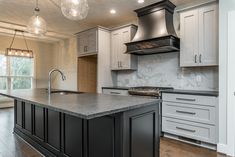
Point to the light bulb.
(74, 9)
(37, 25)
(140, 1)
(112, 11)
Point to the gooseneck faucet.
(49, 78)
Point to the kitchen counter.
(75, 125)
(193, 92)
(84, 105)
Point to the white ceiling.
(19, 11)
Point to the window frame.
(9, 77)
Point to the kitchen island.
(87, 125)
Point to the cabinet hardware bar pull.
(195, 58)
(115, 93)
(185, 129)
(200, 58)
(184, 112)
(183, 99)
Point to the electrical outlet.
(199, 78)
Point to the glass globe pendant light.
(74, 9)
(37, 25)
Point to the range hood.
(156, 33)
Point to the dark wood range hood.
(156, 33)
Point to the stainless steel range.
(152, 92)
(148, 91)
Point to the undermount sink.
(65, 92)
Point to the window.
(16, 72)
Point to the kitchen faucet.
(49, 78)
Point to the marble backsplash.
(163, 70)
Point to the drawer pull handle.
(184, 112)
(115, 93)
(183, 99)
(179, 128)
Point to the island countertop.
(84, 105)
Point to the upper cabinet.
(199, 36)
(87, 42)
(119, 59)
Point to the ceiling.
(19, 12)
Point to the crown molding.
(8, 29)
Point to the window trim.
(10, 77)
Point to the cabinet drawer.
(190, 99)
(115, 92)
(196, 113)
(197, 131)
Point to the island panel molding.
(116, 135)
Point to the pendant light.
(16, 52)
(74, 9)
(37, 25)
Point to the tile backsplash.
(163, 70)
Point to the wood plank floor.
(13, 146)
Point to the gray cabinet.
(119, 59)
(87, 42)
(199, 36)
(191, 116)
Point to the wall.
(65, 59)
(226, 123)
(164, 70)
(43, 56)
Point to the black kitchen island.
(87, 125)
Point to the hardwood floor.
(13, 146)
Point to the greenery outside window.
(16, 72)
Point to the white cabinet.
(94, 47)
(199, 36)
(119, 59)
(191, 116)
(87, 42)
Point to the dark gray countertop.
(117, 87)
(85, 105)
(193, 92)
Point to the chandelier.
(19, 52)
(74, 9)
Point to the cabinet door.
(39, 117)
(208, 36)
(80, 44)
(92, 41)
(19, 113)
(28, 117)
(124, 58)
(115, 37)
(189, 38)
(53, 128)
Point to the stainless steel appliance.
(151, 92)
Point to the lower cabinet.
(73, 136)
(39, 123)
(133, 133)
(53, 129)
(191, 117)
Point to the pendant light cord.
(23, 38)
(56, 4)
(13, 39)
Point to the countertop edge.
(91, 116)
(190, 92)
